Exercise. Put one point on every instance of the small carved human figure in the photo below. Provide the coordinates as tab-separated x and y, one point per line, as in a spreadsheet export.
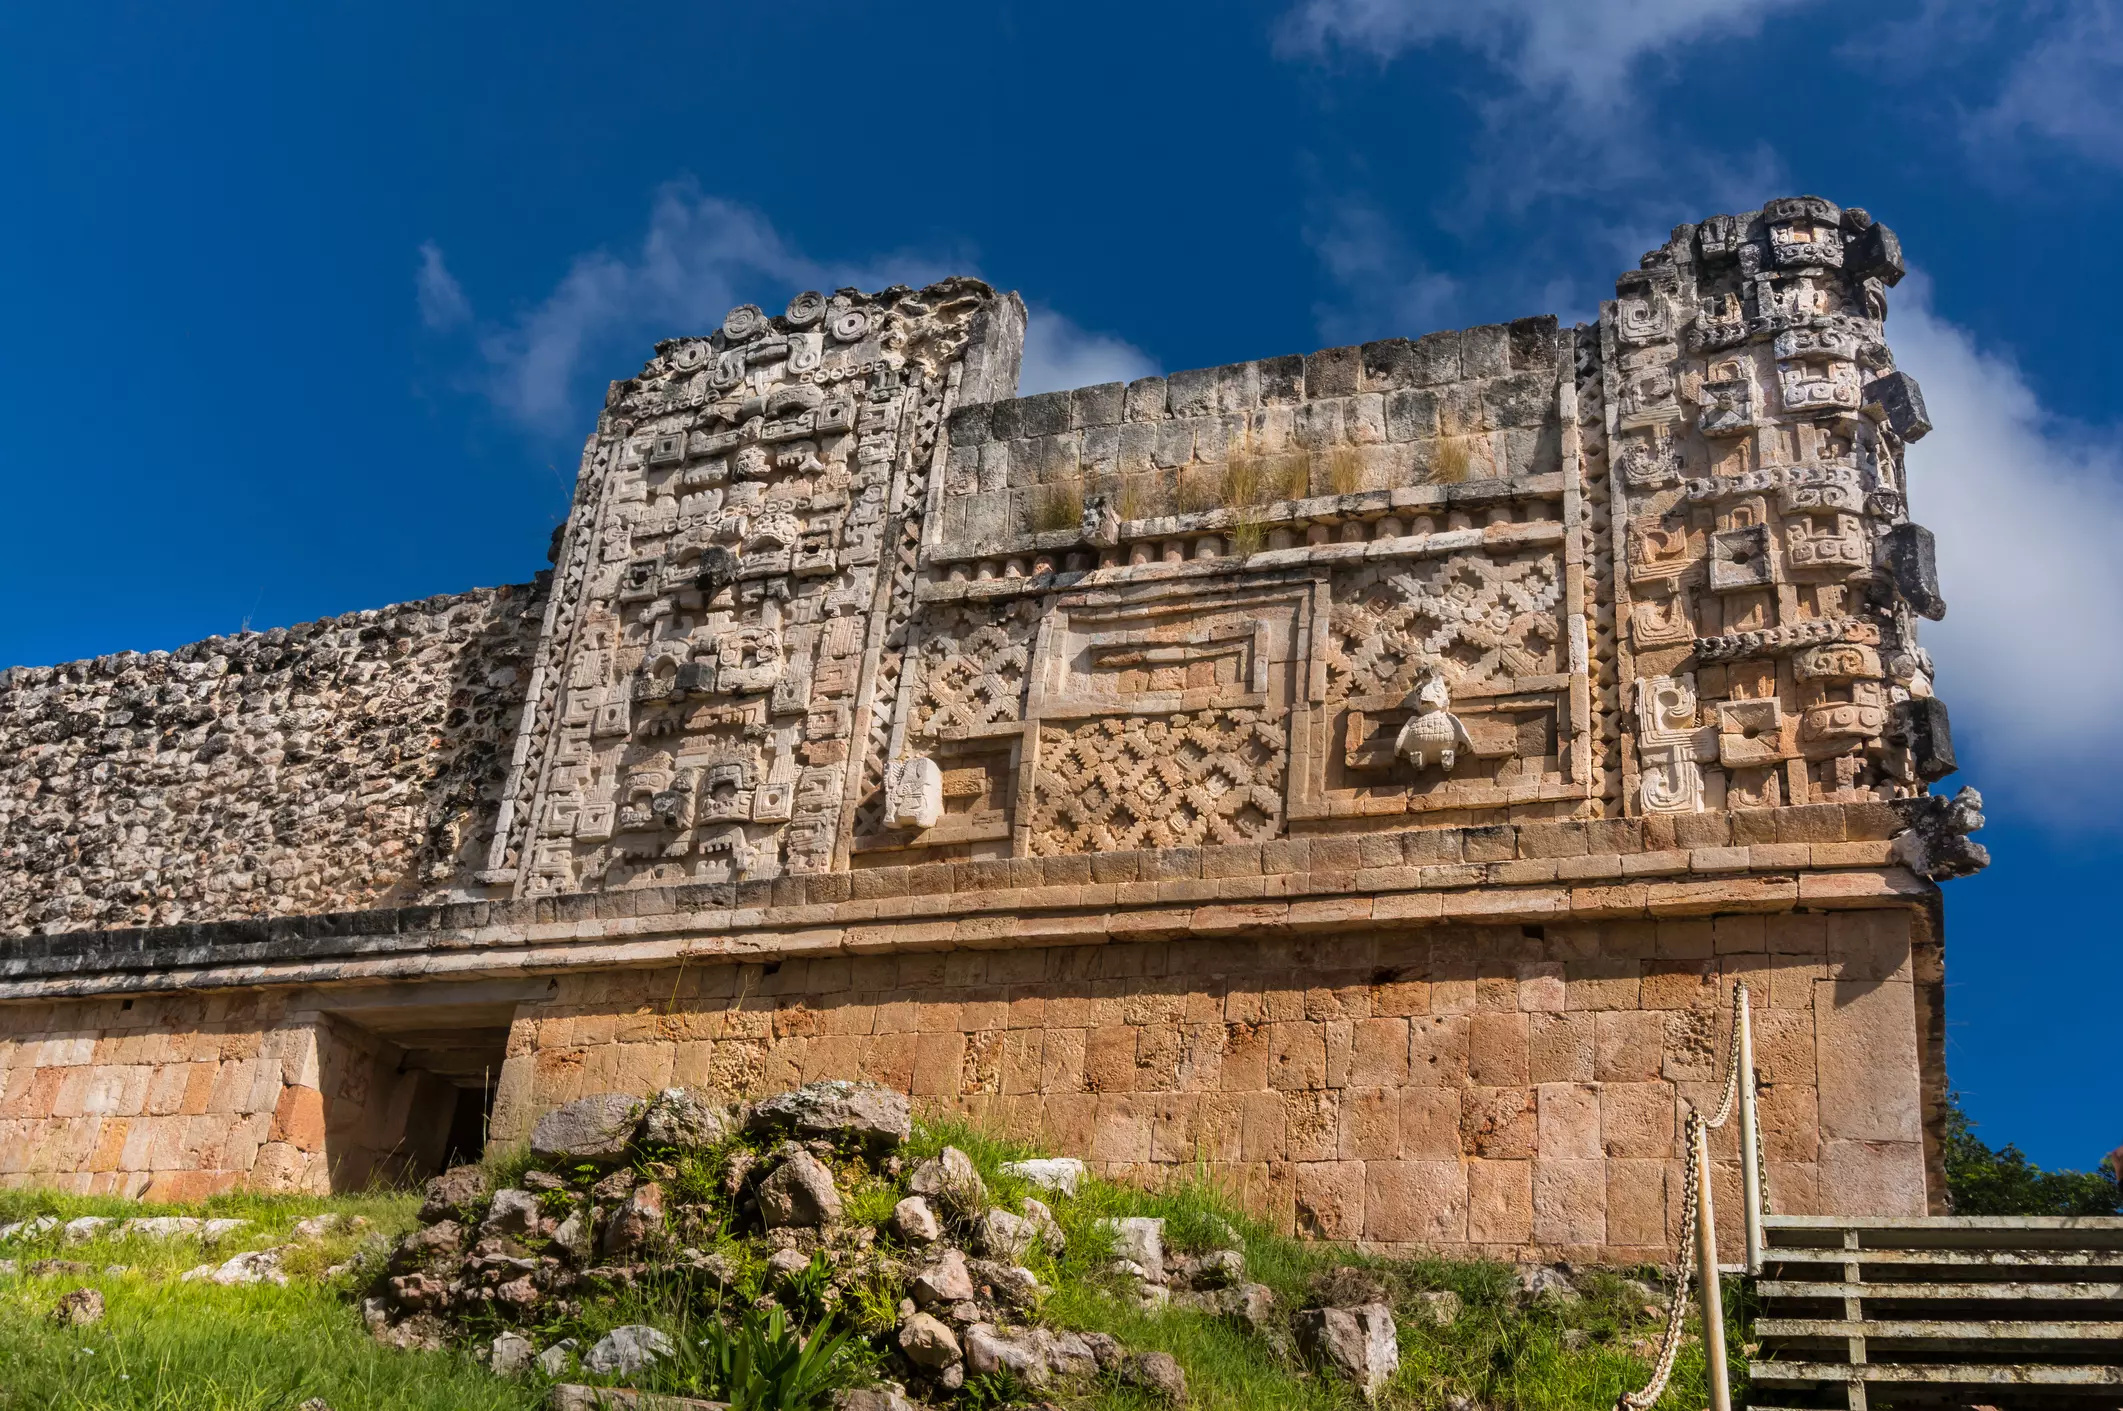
914	794
1433	735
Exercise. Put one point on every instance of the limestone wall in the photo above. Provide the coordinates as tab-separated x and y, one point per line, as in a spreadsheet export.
185	1096
339	764
1474	404
1471	1089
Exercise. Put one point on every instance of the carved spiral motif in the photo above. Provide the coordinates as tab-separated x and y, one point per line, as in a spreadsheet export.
806	309
689	355
850	324
743	322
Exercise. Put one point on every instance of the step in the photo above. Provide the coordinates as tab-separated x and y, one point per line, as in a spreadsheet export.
1961	1373
1954	1258
1998	1291
1788	1233
1889	1328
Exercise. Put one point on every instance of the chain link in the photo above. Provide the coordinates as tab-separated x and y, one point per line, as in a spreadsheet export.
1732	1061
1677	1304
1697	1129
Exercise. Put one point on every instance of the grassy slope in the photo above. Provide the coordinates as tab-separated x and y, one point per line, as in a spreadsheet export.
197	1347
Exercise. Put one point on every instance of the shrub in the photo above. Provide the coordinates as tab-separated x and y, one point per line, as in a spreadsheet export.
1056	506
1981	1180
1450	462
1138	498
1346	473
763	1363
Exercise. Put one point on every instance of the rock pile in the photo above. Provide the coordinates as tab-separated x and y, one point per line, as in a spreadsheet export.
681	1189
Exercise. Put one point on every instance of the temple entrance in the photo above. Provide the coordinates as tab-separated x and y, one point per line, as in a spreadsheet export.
410	1084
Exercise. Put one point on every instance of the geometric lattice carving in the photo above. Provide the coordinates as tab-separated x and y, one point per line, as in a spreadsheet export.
1492	619
1215	776
973	668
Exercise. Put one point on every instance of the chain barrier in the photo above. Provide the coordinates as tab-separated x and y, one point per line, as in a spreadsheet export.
1677	1303
1696	1130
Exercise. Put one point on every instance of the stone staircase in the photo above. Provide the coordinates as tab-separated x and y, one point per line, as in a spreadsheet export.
2002	1311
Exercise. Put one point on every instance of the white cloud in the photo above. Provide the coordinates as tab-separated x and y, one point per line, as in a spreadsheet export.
701	256
1586	47
2028	510
2066	87
1563	97
441	298
1060	355
1388	289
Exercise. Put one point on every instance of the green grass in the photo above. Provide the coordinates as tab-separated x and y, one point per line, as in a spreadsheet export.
173	1346
170	1346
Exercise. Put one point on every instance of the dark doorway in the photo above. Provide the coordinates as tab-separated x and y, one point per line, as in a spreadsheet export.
468	1126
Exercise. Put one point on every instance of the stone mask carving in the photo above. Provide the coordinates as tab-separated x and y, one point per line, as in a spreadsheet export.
914	794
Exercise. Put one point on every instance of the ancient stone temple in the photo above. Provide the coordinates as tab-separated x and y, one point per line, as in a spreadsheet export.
1364	773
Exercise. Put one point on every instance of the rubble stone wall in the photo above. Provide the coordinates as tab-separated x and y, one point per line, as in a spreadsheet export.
343	763
1470	1089
185	1096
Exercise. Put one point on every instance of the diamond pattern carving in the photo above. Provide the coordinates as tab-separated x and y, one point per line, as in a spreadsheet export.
973	670
1487	620
1158	782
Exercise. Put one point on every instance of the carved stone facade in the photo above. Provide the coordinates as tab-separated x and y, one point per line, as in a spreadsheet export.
1362	768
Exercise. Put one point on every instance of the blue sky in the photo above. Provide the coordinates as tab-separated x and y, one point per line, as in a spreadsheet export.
333	291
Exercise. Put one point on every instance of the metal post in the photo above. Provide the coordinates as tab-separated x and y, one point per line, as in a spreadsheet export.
1706	1249
1750	1136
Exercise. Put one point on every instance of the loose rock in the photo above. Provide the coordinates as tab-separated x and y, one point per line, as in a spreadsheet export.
1440	1306
1159	1372
259	1266
945	1282
79	1308
686	1118
952	1180
1347	1286
595	1128
928	1342
1007	1236
1358	1342
1050	1173
453	1193
332	1222
914	1222
572	1237
1032	1355
1140	1239
614	1188
514	1212
1549	1281
877	1398
509	1354
87	1227
868	1114
569	1397
1050	1230
636	1225
627	1351
799	1192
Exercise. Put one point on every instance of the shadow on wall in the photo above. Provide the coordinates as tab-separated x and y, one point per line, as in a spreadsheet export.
185	1096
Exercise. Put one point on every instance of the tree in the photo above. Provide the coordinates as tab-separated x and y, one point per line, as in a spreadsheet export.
1981	1180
